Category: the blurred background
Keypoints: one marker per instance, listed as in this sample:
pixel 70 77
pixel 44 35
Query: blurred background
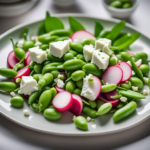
pixel 15 137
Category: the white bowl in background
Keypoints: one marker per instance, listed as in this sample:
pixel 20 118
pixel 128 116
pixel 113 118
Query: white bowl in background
pixel 63 3
pixel 119 12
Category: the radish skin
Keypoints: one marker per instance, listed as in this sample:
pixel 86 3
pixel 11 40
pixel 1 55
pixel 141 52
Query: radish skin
pixel 131 54
pixel 77 105
pixel 28 59
pixel 138 63
pixel 64 74
pixel 62 101
pixel 59 89
pixel 109 94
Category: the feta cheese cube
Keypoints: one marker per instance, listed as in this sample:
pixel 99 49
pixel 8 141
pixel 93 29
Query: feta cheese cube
pixel 88 51
pixel 88 119
pixel 28 85
pixel 100 59
pixel 100 43
pixel 107 50
pixel 129 62
pixel 58 49
pixel 37 43
pixel 134 88
pixel 146 80
pixel 20 43
pixel 133 73
pixel 60 83
pixel 123 99
pixel 37 55
pixel 87 89
pixel 145 92
pixel 26 112
pixel 12 94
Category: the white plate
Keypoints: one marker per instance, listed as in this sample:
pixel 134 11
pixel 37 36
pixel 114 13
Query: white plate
pixel 65 126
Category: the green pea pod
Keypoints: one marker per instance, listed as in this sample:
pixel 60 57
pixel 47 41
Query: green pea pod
pixel 68 56
pixel 77 75
pixel 44 46
pixel 73 64
pixel 136 82
pixel 62 38
pixel 45 39
pixel 34 96
pixel 41 29
pixel 116 30
pixel 92 104
pixel 99 103
pixel 134 37
pixel 104 109
pixel 125 111
pixel 61 33
pixel 81 57
pixel 75 25
pixel 9 73
pixel 70 86
pixel 60 67
pixel 55 73
pixel 88 42
pixel 131 94
pixel 28 44
pixel 89 111
pixel 8 86
pixel 54 92
pixel 35 107
pixel 73 52
pixel 17 101
pixel 141 55
pixel 104 34
pixel 19 53
pixel 77 91
pixel 53 58
pixel 45 100
pixel 92 69
pixel 38 68
pixel 98 28
pixel 79 83
pixel 108 88
pixel 126 85
pixel 37 77
pixel 77 46
pixel 45 80
pixel 122 39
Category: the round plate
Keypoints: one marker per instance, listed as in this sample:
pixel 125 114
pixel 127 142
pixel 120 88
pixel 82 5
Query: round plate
pixel 65 126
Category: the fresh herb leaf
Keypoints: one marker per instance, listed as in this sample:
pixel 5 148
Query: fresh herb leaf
pixel 98 28
pixel 41 29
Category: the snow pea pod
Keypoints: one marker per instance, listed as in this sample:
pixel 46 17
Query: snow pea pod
pixel 104 34
pixel 131 94
pixel 88 42
pixel 98 28
pixel 126 85
pixel 73 64
pixel 77 46
pixel 60 67
pixel 81 123
pixel 104 109
pixel 136 82
pixel 116 30
pixel 108 88
pixel 17 101
pixel 37 77
pixel 8 86
pixel 70 86
pixel 53 58
pixel 62 38
pixel 9 73
pixel 45 80
pixel 61 32
pixel 92 69
pixel 77 75
pixel 52 114
pixel 46 39
pixel 125 111
pixel 89 111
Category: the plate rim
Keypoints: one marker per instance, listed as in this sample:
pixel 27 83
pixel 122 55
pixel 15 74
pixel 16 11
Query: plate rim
pixel 82 133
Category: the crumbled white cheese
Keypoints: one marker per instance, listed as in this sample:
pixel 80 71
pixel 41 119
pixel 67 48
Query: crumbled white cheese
pixel 146 80
pixel 107 83
pixel 107 50
pixel 60 83
pixel 34 38
pixel 73 118
pixel 133 73
pixel 75 40
pixel 129 62
pixel 145 92
pixel 139 62
pixel 88 51
pixel 37 43
pixel 134 88
pixel 26 112
pixel 12 94
pixel 28 85
pixel 58 49
pixel 88 119
pixel 100 59
pixel 20 43
pixel 87 89
pixel 123 99
pixel 37 54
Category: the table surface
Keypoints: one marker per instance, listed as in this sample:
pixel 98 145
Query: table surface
pixel 15 137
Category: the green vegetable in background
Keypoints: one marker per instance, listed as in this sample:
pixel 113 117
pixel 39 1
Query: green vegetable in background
pixel 98 28
pixel 41 29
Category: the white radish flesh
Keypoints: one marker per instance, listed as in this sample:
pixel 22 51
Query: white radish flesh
pixel 138 63
pixel 59 89
pixel 127 71
pixel 130 53
pixel 62 101
pixel 109 94
pixel 77 105
pixel 28 59
pixel 113 75
pixel 81 35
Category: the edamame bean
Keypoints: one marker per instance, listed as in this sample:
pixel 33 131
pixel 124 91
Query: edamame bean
pixel 108 88
pixel 89 111
pixel 81 123
pixel 77 75
pixel 44 46
pixel 55 73
pixel 77 46
pixel 52 114
pixel 103 109
pixel 112 61
pixel 53 58
pixel 116 4
pixel 79 83
pixel 62 38
pixel 81 57
pixel 73 52
pixel 38 68
pixel 28 44
pixel 8 86
pixel 9 73
pixel 141 55
pixel 136 82
pixel 46 62
pixel 37 77
pixel 45 39
pixel 68 56
pixel 17 101
pixel 125 111
pixel 92 104
pixel 70 86
pixel 19 53
pixel 99 103
pixel 126 85
pixel 144 68
pixel 77 91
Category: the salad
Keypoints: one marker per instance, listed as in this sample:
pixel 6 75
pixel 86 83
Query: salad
pixel 74 70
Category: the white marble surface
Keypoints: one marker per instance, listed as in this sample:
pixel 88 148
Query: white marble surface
pixel 15 137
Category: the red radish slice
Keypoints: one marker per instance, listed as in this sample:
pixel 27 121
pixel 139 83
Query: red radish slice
pixel 27 60
pixel 127 71
pixel 113 75
pixel 27 54
pixel 138 63
pixel 114 102
pixel 109 94
pixel 81 35
pixel 23 72
pixel 63 101
pixel 130 53
pixel 59 89
pixel 11 59
pixel 77 105
pixel 64 74
pixel 25 96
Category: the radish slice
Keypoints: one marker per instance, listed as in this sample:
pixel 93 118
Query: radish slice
pixel 113 75
pixel 63 101
pixel 109 94
pixel 25 96
pixel 81 35
pixel 77 105
pixel 12 60
pixel 23 72
pixel 127 71
pixel 59 89
pixel 138 63
pixel 114 102
pixel 65 76
pixel 27 60
pixel 130 53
